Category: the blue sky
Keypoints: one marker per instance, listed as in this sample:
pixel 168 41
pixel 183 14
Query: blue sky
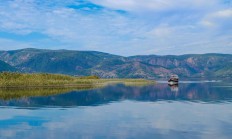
pixel 123 27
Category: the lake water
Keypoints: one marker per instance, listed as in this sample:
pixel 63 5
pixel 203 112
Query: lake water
pixel 199 110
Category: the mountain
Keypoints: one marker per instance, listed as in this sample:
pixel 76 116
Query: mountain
pixel 105 65
pixel 195 65
pixel 54 61
pixel 6 67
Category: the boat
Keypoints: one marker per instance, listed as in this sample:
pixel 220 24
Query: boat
pixel 174 79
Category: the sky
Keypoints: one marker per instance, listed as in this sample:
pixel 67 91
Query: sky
pixel 122 27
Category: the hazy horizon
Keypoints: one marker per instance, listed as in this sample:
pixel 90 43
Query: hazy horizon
pixel 126 28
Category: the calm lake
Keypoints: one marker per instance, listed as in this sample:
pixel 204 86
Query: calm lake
pixel 199 110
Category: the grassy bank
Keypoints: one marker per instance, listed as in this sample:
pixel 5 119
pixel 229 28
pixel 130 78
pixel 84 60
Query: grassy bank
pixel 60 81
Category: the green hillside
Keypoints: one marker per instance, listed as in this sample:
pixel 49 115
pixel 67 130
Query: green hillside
pixel 55 61
pixel 82 63
pixel 6 67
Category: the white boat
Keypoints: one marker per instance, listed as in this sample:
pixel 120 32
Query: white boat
pixel 174 79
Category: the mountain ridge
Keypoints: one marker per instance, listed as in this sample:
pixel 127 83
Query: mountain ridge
pixel 105 65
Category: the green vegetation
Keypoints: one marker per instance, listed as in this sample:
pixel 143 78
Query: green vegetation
pixel 15 93
pixel 18 85
pixel 19 80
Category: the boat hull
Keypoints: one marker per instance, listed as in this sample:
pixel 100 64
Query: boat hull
pixel 172 82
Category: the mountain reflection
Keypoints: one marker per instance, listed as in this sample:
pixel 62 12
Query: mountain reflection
pixel 205 92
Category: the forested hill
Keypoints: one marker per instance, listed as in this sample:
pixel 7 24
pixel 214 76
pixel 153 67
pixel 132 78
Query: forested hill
pixel 106 65
pixel 6 67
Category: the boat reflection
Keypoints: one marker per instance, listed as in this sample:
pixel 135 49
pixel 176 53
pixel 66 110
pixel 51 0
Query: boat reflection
pixel 174 87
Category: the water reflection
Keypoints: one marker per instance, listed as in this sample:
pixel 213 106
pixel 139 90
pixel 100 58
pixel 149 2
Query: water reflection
pixel 205 92
pixel 174 87
pixel 119 111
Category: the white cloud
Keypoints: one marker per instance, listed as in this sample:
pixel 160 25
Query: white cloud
pixel 161 31
pixel 221 14
pixel 219 21
pixel 146 27
pixel 63 24
pixel 156 5
pixel 224 13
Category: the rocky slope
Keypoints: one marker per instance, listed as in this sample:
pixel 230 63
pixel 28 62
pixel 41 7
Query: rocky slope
pixel 203 65
pixel 112 66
